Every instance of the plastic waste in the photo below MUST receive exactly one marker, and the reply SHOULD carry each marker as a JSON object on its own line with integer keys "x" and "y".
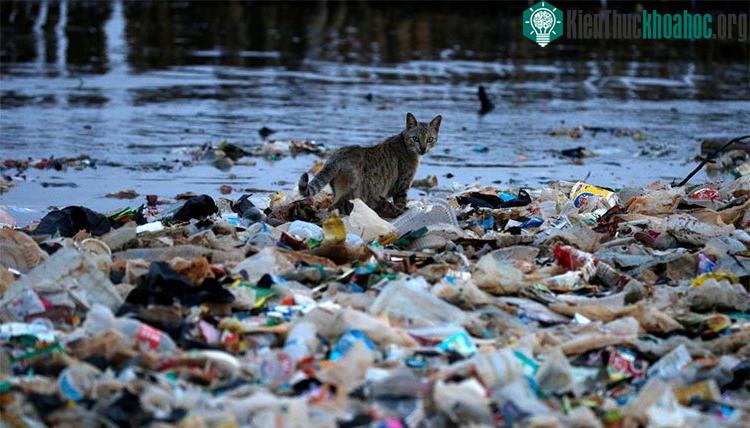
{"x": 460, "y": 290}
{"x": 555, "y": 373}
{"x": 334, "y": 231}
{"x": 435, "y": 237}
{"x": 366, "y": 223}
{"x": 196, "y": 208}
{"x": 77, "y": 381}
{"x": 69, "y": 277}
{"x": 347, "y": 341}
{"x": 495, "y": 200}
{"x": 426, "y": 213}
{"x": 69, "y": 220}
{"x": 587, "y": 316}
{"x": 268, "y": 260}
{"x": 494, "y": 369}
{"x": 135, "y": 333}
{"x": 688, "y": 230}
{"x": 496, "y": 274}
{"x": 247, "y": 210}
{"x": 459, "y": 343}
{"x": 262, "y": 235}
{"x": 301, "y": 342}
{"x": 465, "y": 401}
{"x": 347, "y": 371}
{"x": 163, "y": 286}
{"x": 671, "y": 365}
{"x": 582, "y": 192}
{"x": 19, "y": 251}
{"x": 409, "y": 303}
{"x": 306, "y": 231}
{"x": 275, "y": 368}
{"x": 117, "y": 239}
{"x": 41, "y": 329}
{"x": 152, "y": 227}
{"x": 722, "y": 294}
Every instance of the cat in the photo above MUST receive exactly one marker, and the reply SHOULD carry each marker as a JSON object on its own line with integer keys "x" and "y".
{"x": 376, "y": 173}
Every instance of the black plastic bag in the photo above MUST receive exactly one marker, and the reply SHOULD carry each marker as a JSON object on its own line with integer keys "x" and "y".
{"x": 70, "y": 220}
{"x": 483, "y": 200}
{"x": 196, "y": 207}
{"x": 126, "y": 411}
{"x": 162, "y": 286}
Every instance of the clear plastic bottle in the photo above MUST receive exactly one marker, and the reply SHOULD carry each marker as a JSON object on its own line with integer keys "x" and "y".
{"x": 76, "y": 381}
{"x": 302, "y": 341}
{"x": 275, "y": 368}
{"x": 136, "y": 333}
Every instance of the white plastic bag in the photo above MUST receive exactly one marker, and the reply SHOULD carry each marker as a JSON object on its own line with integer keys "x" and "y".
{"x": 366, "y": 223}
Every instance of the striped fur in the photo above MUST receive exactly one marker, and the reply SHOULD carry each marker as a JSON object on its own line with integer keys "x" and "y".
{"x": 378, "y": 173}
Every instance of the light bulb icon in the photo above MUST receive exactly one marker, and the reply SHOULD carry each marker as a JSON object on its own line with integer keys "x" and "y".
{"x": 542, "y": 22}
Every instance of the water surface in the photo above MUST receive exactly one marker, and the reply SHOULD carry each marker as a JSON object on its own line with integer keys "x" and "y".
{"x": 137, "y": 86}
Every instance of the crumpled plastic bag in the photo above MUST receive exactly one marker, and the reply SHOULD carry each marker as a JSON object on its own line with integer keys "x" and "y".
{"x": 409, "y": 303}
{"x": 196, "y": 207}
{"x": 712, "y": 294}
{"x": 460, "y": 291}
{"x": 688, "y": 230}
{"x": 68, "y": 278}
{"x": 70, "y": 220}
{"x": 366, "y": 223}
{"x": 555, "y": 373}
{"x": 497, "y": 275}
{"x": 465, "y": 402}
{"x": 661, "y": 201}
{"x": 331, "y": 321}
{"x": 164, "y": 286}
{"x": 276, "y": 261}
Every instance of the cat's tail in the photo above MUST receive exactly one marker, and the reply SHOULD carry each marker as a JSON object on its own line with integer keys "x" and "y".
{"x": 309, "y": 187}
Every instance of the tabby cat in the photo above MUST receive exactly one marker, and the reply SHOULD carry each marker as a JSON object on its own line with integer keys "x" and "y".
{"x": 377, "y": 173}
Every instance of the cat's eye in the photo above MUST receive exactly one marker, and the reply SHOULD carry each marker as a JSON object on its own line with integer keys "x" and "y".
{"x": 415, "y": 138}
{"x": 429, "y": 140}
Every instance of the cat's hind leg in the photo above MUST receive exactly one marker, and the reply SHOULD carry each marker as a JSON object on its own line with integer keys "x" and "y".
{"x": 383, "y": 207}
{"x": 342, "y": 203}
{"x": 344, "y": 190}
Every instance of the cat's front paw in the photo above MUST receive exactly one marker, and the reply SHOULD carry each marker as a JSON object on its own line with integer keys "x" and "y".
{"x": 302, "y": 185}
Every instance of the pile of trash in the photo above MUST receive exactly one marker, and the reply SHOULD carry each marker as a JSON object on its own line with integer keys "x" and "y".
{"x": 569, "y": 305}
{"x": 54, "y": 163}
{"x": 226, "y": 154}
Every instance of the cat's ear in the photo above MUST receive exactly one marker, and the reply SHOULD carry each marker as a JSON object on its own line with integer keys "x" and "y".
{"x": 411, "y": 121}
{"x": 435, "y": 123}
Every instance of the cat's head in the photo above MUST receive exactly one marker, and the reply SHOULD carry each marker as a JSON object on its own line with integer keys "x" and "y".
{"x": 420, "y": 137}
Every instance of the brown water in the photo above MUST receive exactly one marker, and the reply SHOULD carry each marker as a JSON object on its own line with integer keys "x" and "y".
{"x": 138, "y": 85}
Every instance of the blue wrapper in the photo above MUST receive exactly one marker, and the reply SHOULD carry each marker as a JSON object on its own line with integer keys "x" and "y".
{"x": 346, "y": 342}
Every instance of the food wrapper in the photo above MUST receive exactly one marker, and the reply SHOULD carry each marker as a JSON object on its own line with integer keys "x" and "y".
{"x": 623, "y": 364}
{"x": 581, "y": 193}
{"x": 718, "y": 276}
{"x": 459, "y": 343}
{"x": 346, "y": 342}
{"x": 706, "y": 390}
